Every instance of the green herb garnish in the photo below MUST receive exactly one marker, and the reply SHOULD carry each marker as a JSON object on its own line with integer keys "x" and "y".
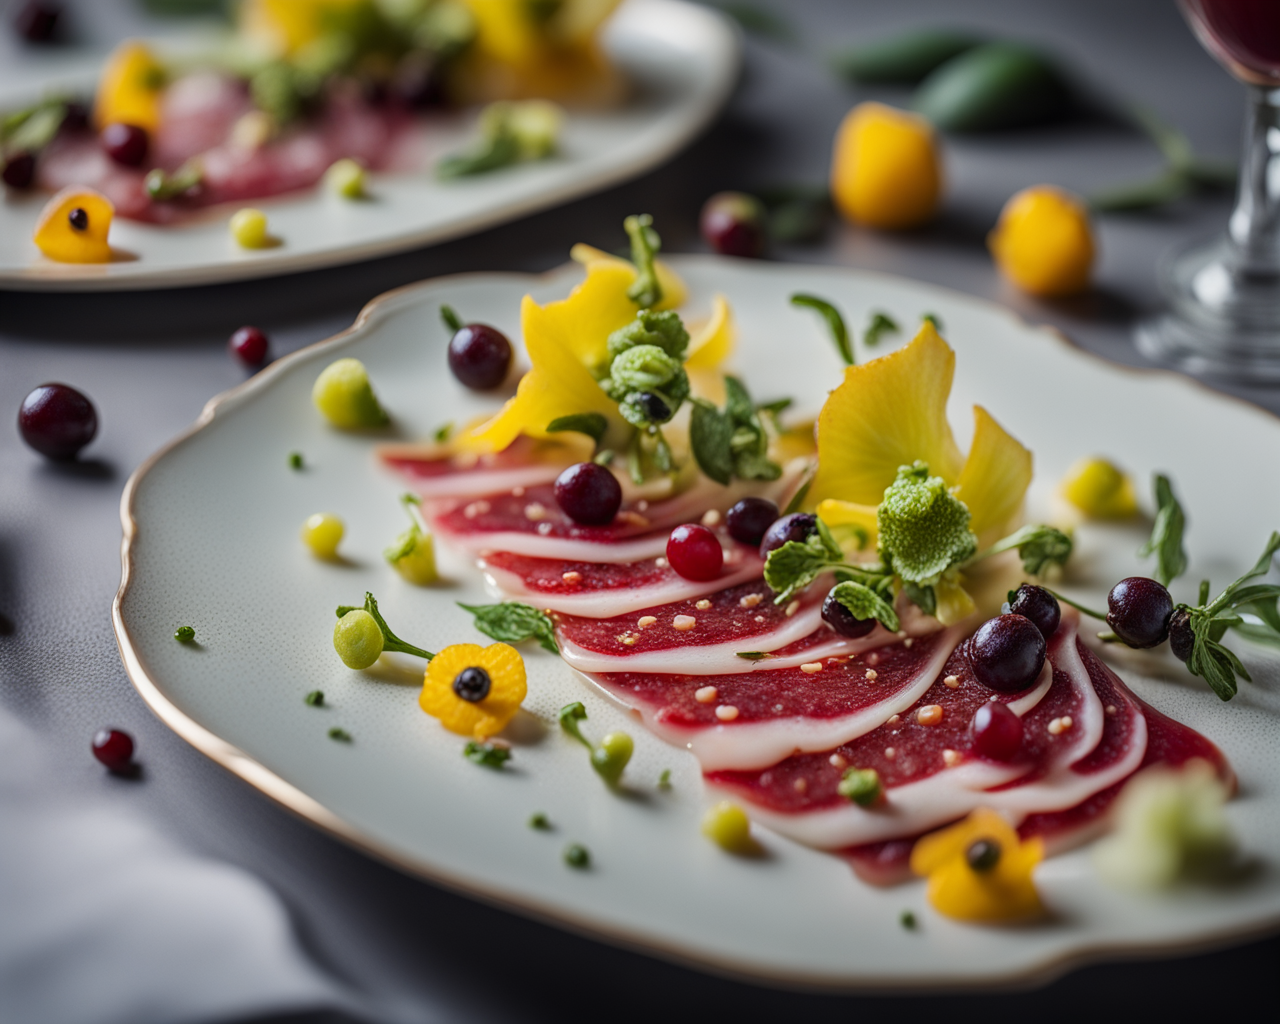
{"x": 611, "y": 756}
{"x": 839, "y": 332}
{"x": 390, "y": 642}
{"x": 540, "y": 822}
{"x": 593, "y": 424}
{"x": 646, "y": 291}
{"x": 451, "y": 319}
{"x": 513, "y": 622}
{"x": 184, "y": 634}
{"x": 752, "y": 655}
{"x": 1166, "y": 534}
{"x": 934, "y": 319}
{"x": 486, "y": 754}
{"x": 577, "y": 856}
{"x": 881, "y": 324}
{"x": 731, "y": 442}
{"x": 295, "y": 460}
{"x": 442, "y": 432}
{"x": 1039, "y": 547}
{"x": 664, "y": 780}
{"x": 908, "y": 920}
{"x": 924, "y": 528}
{"x": 341, "y": 735}
{"x": 861, "y": 786}
{"x": 314, "y": 699}
{"x": 161, "y": 186}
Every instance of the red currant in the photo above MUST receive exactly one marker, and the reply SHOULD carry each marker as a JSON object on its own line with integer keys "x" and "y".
{"x": 695, "y": 552}
{"x": 588, "y": 494}
{"x": 114, "y": 748}
{"x": 479, "y": 356}
{"x": 249, "y": 345}
{"x": 996, "y": 731}
{"x": 126, "y": 144}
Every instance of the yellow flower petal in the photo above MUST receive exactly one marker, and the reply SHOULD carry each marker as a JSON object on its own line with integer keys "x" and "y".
{"x": 481, "y": 718}
{"x": 130, "y": 88}
{"x": 886, "y": 414}
{"x": 834, "y": 512}
{"x": 995, "y": 478}
{"x": 953, "y": 602}
{"x": 711, "y": 344}
{"x": 674, "y": 292}
{"x": 558, "y": 385}
{"x": 1004, "y": 892}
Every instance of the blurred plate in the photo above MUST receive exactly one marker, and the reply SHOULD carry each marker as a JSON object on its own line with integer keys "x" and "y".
{"x": 211, "y": 526}
{"x": 682, "y": 59}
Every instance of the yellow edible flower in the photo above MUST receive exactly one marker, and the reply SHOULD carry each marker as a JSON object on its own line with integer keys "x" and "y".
{"x": 892, "y": 411}
{"x": 474, "y": 690}
{"x": 130, "y": 88}
{"x": 568, "y": 339}
{"x": 886, "y": 171}
{"x": 979, "y": 870}
{"x": 1100, "y": 489}
{"x": 1043, "y": 242}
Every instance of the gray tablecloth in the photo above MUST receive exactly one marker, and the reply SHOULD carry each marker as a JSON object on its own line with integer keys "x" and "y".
{"x": 222, "y": 906}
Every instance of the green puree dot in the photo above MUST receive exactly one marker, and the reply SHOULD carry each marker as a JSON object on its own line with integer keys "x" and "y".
{"x": 540, "y": 821}
{"x": 908, "y": 920}
{"x": 295, "y": 460}
{"x": 577, "y": 856}
{"x": 184, "y": 634}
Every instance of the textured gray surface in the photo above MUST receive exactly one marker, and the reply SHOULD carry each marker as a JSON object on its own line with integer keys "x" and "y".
{"x": 151, "y": 361}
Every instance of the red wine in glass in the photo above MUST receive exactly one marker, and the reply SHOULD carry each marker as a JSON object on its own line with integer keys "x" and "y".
{"x": 1243, "y": 34}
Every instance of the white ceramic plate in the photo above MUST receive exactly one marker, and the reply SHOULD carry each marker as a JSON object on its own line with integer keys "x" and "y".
{"x": 682, "y": 59}
{"x": 211, "y": 540}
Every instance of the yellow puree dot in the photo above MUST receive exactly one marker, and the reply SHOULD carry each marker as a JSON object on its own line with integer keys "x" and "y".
{"x": 249, "y": 229}
{"x": 727, "y": 825}
{"x": 322, "y": 533}
{"x": 1099, "y": 489}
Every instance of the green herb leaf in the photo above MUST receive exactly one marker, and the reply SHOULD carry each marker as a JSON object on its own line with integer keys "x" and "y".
{"x": 924, "y": 528}
{"x": 934, "y": 319}
{"x": 710, "y": 432}
{"x": 923, "y": 597}
{"x": 487, "y": 755}
{"x": 881, "y": 324}
{"x": 451, "y": 319}
{"x": 295, "y": 460}
{"x": 664, "y": 330}
{"x": 512, "y": 622}
{"x": 861, "y": 786}
{"x": 593, "y": 424}
{"x": 341, "y": 735}
{"x": 646, "y": 290}
{"x": 753, "y": 655}
{"x": 540, "y": 821}
{"x": 839, "y": 332}
{"x": 902, "y": 58}
{"x": 314, "y": 699}
{"x": 1039, "y": 546}
{"x": 1166, "y": 534}
{"x": 664, "y": 780}
{"x": 864, "y": 603}
{"x": 499, "y": 150}
{"x": 796, "y": 564}
{"x": 570, "y": 715}
{"x": 442, "y": 432}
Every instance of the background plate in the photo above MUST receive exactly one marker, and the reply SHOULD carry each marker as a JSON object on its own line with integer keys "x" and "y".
{"x": 211, "y": 540}
{"x": 682, "y": 60}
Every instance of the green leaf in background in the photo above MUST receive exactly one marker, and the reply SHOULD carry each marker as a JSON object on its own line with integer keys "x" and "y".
{"x": 759, "y": 21}
{"x": 512, "y": 622}
{"x": 880, "y": 325}
{"x": 797, "y": 213}
{"x": 991, "y": 87}
{"x": 593, "y": 424}
{"x": 835, "y": 322}
{"x": 1165, "y": 541}
{"x": 905, "y": 58}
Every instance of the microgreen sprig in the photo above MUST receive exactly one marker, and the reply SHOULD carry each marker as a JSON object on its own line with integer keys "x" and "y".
{"x": 390, "y": 642}
{"x": 835, "y": 322}
{"x": 610, "y": 756}
{"x": 1166, "y": 534}
{"x": 512, "y": 622}
{"x": 646, "y": 290}
{"x": 731, "y": 442}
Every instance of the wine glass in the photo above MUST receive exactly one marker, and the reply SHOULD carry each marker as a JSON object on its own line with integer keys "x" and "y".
{"x": 1224, "y": 295}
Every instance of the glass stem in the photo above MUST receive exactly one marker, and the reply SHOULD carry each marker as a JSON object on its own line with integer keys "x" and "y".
{"x": 1255, "y": 223}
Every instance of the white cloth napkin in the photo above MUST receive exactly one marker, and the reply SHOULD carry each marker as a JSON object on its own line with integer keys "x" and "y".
{"x": 103, "y": 920}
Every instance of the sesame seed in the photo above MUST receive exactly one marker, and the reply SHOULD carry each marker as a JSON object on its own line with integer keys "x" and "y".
{"x": 645, "y": 621}
{"x": 930, "y": 714}
{"x": 750, "y": 601}
{"x": 544, "y": 529}
{"x": 890, "y": 753}
{"x": 683, "y": 623}
{"x": 726, "y": 712}
{"x": 660, "y": 562}
{"x": 711, "y": 518}
{"x": 950, "y": 758}
{"x": 951, "y": 681}
{"x": 837, "y": 761}
{"x": 642, "y": 505}
{"x": 633, "y": 519}
{"x": 625, "y": 638}
{"x": 811, "y": 667}
{"x": 535, "y": 511}
{"x": 476, "y": 508}
{"x": 800, "y": 785}
{"x": 572, "y": 576}
{"x": 759, "y": 618}
{"x": 703, "y": 605}
{"x": 873, "y": 658}
{"x": 1060, "y": 725}
{"x": 872, "y": 674}
{"x": 705, "y": 694}
{"x": 1111, "y": 709}
{"x": 777, "y": 709}
{"x": 908, "y": 642}
{"x": 517, "y": 492}
{"x": 792, "y": 608}
{"x": 895, "y": 719}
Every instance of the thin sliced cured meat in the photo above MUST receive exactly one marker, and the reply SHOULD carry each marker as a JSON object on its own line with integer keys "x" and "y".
{"x": 749, "y": 720}
{"x": 433, "y": 472}
{"x": 609, "y": 590}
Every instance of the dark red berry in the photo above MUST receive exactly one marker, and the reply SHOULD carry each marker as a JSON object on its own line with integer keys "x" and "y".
{"x": 695, "y": 552}
{"x": 57, "y": 421}
{"x": 249, "y": 345}
{"x": 733, "y": 224}
{"x": 748, "y": 520}
{"x": 798, "y": 526}
{"x": 843, "y": 621}
{"x": 1038, "y": 605}
{"x": 588, "y": 494}
{"x": 982, "y": 855}
{"x": 1138, "y": 611}
{"x": 1181, "y": 638}
{"x": 78, "y": 218}
{"x": 472, "y": 684}
{"x": 126, "y": 144}
{"x": 19, "y": 170}
{"x": 996, "y": 731}
{"x": 1007, "y": 653}
{"x": 479, "y": 356}
{"x": 114, "y": 749}
{"x": 36, "y": 21}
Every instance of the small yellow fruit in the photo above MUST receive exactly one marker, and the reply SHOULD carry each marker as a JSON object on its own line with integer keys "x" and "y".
{"x": 73, "y": 226}
{"x": 130, "y": 88}
{"x": 886, "y": 171}
{"x": 727, "y": 825}
{"x": 249, "y": 229}
{"x": 344, "y": 395}
{"x": 322, "y": 533}
{"x": 1099, "y": 489}
{"x": 345, "y": 178}
{"x": 1043, "y": 242}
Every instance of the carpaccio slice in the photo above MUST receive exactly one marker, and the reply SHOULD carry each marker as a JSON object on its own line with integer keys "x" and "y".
{"x": 750, "y": 720}
{"x": 1060, "y": 785}
{"x": 433, "y": 474}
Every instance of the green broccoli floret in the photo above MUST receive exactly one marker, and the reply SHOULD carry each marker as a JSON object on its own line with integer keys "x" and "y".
{"x": 649, "y": 328}
{"x": 924, "y": 529}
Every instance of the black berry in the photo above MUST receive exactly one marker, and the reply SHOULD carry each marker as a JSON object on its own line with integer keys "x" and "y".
{"x": 588, "y": 494}
{"x": 19, "y": 171}
{"x": 479, "y": 356}
{"x": 1138, "y": 611}
{"x": 126, "y": 144}
{"x": 748, "y": 520}
{"x": 733, "y": 224}
{"x": 57, "y": 421}
{"x": 798, "y": 526}
{"x": 472, "y": 684}
{"x": 1181, "y": 638}
{"x": 78, "y": 218}
{"x": 983, "y": 855}
{"x": 1038, "y": 605}
{"x": 1007, "y": 653}
{"x": 843, "y": 621}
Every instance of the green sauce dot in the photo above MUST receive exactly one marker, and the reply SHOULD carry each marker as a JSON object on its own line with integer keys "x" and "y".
{"x": 577, "y": 856}
{"x": 184, "y": 634}
{"x": 315, "y": 698}
{"x": 908, "y": 920}
{"x": 295, "y": 460}
{"x": 540, "y": 821}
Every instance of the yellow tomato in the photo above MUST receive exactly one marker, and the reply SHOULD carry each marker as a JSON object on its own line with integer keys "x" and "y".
{"x": 1043, "y": 242}
{"x": 886, "y": 171}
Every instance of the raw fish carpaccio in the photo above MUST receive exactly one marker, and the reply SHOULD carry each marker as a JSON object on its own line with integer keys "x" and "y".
{"x": 776, "y": 732}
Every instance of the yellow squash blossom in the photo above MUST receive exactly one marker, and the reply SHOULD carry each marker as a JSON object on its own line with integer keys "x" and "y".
{"x": 979, "y": 869}
{"x": 893, "y": 411}
{"x": 567, "y": 343}
{"x": 474, "y": 690}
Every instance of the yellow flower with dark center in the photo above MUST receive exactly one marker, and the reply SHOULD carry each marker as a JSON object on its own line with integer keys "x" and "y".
{"x": 979, "y": 869}
{"x": 474, "y": 690}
